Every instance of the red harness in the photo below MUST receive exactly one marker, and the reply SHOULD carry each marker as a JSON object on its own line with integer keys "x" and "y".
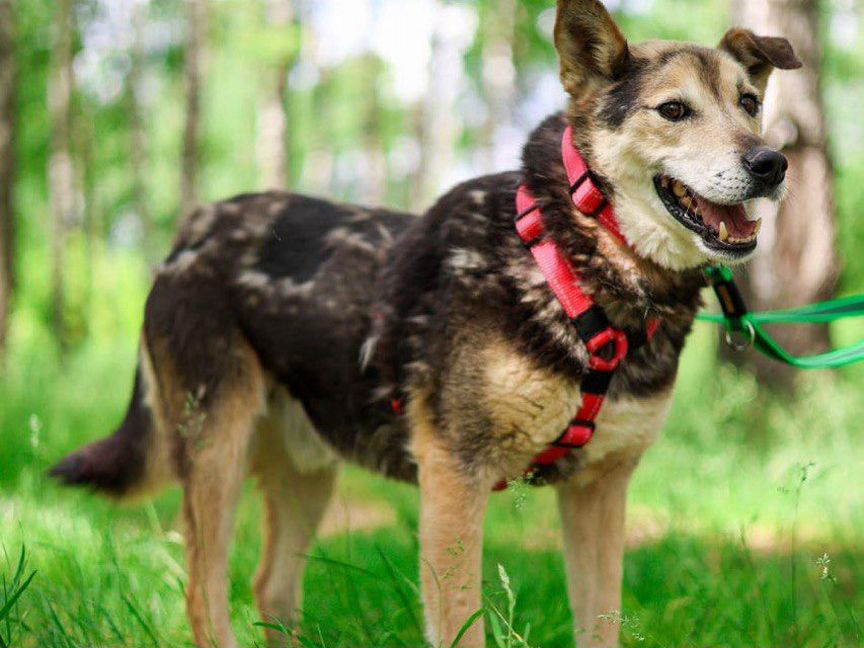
{"x": 607, "y": 346}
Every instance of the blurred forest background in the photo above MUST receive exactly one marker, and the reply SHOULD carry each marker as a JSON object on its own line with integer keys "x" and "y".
{"x": 119, "y": 116}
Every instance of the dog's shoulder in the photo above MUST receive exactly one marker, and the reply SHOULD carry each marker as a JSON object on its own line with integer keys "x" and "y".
{"x": 444, "y": 266}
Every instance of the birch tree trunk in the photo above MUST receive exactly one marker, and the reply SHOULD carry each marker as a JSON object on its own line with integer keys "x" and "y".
{"x": 438, "y": 125}
{"x": 137, "y": 134}
{"x": 499, "y": 76}
{"x": 797, "y": 261}
{"x": 8, "y": 113}
{"x": 374, "y": 190}
{"x": 319, "y": 161}
{"x": 273, "y": 116}
{"x": 193, "y": 64}
{"x": 61, "y": 172}
{"x": 87, "y": 208}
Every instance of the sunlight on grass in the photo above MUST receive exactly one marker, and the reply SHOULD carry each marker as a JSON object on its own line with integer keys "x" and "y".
{"x": 727, "y": 544}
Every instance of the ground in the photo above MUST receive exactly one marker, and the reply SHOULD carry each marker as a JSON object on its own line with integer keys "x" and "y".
{"x": 744, "y": 528}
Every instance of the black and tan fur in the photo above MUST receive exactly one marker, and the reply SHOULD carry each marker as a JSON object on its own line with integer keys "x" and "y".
{"x": 280, "y": 327}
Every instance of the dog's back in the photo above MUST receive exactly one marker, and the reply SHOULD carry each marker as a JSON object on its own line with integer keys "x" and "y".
{"x": 258, "y": 291}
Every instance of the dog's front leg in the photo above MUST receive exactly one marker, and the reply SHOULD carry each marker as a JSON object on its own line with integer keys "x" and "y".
{"x": 592, "y": 518}
{"x": 452, "y": 508}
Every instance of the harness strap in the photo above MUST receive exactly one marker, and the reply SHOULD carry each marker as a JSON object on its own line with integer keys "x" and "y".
{"x": 607, "y": 346}
{"x": 583, "y": 188}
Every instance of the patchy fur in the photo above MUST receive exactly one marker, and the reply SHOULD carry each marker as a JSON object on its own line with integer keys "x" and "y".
{"x": 281, "y": 328}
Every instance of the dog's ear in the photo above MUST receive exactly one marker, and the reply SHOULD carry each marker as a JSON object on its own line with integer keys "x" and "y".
{"x": 590, "y": 45}
{"x": 759, "y": 54}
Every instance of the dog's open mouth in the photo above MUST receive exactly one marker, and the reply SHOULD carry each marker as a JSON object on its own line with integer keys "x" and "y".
{"x": 725, "y": 228}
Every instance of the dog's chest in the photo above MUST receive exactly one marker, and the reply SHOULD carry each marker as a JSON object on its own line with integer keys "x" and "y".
{"x": 627, "y": 425}
{"x": 530, "y": 406}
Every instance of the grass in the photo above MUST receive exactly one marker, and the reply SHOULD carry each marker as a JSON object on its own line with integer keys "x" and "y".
{"x": 745, "y": 527}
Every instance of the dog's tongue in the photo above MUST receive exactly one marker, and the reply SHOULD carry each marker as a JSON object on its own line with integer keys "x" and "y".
{"x": 734, "y": 216}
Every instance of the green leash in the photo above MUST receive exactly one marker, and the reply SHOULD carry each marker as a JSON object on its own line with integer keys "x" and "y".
{"x": 742, "y": 324}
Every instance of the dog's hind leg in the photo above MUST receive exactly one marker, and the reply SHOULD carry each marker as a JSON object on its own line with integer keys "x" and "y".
{"x": 297, "y": 481}
{"x": 592, "y": 519}
{"x": 216, "y": 444}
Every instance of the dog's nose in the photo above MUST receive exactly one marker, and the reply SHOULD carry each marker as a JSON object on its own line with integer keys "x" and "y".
{"x": 766, "y": 165}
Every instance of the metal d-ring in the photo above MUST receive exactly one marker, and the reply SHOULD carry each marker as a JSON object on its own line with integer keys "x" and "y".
{"x": 748, "y": 342}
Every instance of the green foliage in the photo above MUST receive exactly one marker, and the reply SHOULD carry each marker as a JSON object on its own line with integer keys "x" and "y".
{"x": 12, "y": 591}
{"x": 501, "y": 621}
{"x": 729, "y": 545}
{"x": 720, "y": 519}
{"x": 334, "y": 113}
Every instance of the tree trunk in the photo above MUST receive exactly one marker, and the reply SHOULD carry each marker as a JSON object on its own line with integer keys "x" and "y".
{"x": 374, "y": 190}
{"x": 797, "y": 262}
{"x": 61, "y": 172}
{"x": 318, "y": 168}
{"x": 499, "y": 76}
{"x": 137, "y": 134}
{"x": 8, "y": 111}
{"x": 193, "y": 71}
{"x": 273, "y": 117}
{"x": 438, "y": 124}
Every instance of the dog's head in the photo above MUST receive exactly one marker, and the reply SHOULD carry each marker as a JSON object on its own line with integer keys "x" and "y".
{"x": 674, "y": 129}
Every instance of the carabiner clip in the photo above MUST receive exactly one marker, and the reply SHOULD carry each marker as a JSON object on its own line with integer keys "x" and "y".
{"x": 750, "y": 338}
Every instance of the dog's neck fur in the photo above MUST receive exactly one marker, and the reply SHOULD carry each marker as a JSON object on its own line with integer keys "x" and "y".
{"x": 629, "y": 286}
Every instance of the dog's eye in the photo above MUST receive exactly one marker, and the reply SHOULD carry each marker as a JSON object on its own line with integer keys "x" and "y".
{"x": 673, "y": 110}
{"x": 750, "y": 104}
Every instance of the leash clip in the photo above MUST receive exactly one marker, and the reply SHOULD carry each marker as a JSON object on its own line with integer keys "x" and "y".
{"x": 750, "y": 338}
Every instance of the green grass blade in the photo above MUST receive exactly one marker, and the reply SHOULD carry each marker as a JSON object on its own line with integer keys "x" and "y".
{"x": 59, "y": 625}
{"x": 497, "y": 630}
{"x": 7, "y": 607}
{"x": 144, "y": 625}
{"x": 396, "y": 577}
{"x": 468, "y": 623}
{"x": 340, "y": 563}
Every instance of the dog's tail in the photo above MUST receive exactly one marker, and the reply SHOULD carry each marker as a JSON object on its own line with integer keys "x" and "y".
{"x": 132, "y": 459}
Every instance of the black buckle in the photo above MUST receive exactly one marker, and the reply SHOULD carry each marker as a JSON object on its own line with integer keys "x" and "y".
{"x": 591, "y": 323}
{"x": 596, "y": 382}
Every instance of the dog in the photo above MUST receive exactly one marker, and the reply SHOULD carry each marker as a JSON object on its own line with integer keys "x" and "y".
{"x": 283, "y": 332}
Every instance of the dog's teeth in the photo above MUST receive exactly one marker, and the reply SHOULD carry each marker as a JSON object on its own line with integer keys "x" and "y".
{"x": 758, "y": 227}
{"x": 724, "y": 233}
{"x": 664, "y": 181}
{"x": 688, "y": 202}
{"x": 679, "y": 189}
